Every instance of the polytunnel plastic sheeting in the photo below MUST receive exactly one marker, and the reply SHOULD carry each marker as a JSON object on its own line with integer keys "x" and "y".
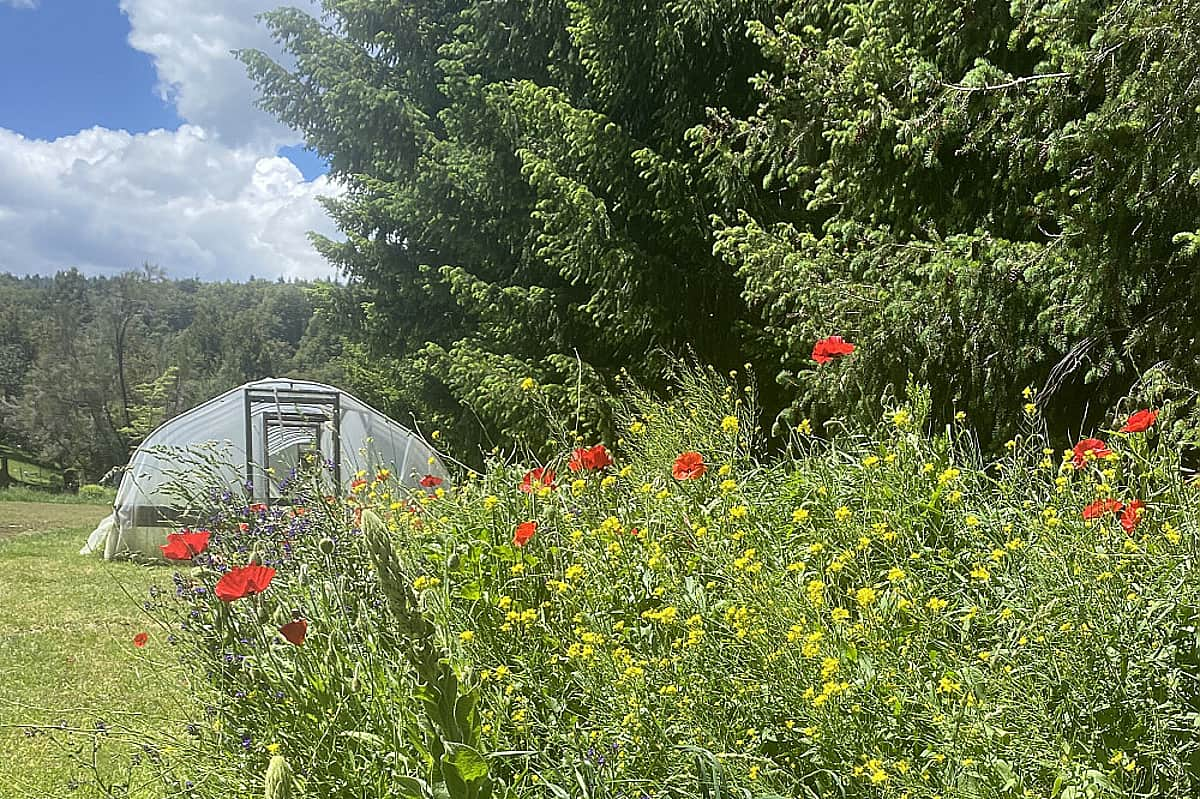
{"x": 231, "y": 440}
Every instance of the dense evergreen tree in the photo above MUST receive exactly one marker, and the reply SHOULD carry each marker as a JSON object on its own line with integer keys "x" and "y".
{"x": 988, "y": 195}
{"x": 522, "y": 201}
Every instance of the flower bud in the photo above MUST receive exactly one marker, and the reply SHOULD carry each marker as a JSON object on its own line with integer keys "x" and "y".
{"x": 278, "y": 781}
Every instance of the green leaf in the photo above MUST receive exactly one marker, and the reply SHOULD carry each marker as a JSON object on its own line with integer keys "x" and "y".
{"x": 470, "y": 591}
{"x": 364, "y": 737}
{"x": 466, "y": 762}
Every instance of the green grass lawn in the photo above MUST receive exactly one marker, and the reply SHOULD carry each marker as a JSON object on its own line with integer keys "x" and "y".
{"x": 41, "y": 496}
{"x": 67, "y": 624}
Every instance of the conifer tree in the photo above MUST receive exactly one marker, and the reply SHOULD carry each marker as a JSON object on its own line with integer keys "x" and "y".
{"x": 983, "y": 195}
{"x": 989, "y": 195}
{"x": 522, "y": 200}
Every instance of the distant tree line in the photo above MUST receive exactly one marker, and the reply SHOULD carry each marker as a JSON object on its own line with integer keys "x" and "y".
{"x": 984, "y": 195}
{"x": 90, "y": 365}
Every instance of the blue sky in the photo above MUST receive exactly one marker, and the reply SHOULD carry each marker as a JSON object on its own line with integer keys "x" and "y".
{"x": 67, "y": 66}
{"x": 114, "y": 113}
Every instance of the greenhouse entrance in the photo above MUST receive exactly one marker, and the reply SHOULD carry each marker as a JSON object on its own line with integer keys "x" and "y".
{"x": 289, "y": 427}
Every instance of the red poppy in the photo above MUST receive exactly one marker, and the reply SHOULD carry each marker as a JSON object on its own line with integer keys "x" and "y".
{"x": 1140, "y": 422}
{"x": 590, "y": 459}
{"x": 185, "y": 545}
{"x": 430, "y": 481}
{"x": 579, "y": 459}
{"x": 294, "y": 631}
{"x": 243, "y": 581}
{"x": 524, "y": 532}
{"x": 831, "y": 347}
{"x": 357, "y": 483}
{"x": 1101, "y": 507}
{"x": 1131, "y": 517}
{"x": 258, "y": 507}
{"x": 140, "y": 639}
{"x": 536, "y": 479}
{"x": 1088, "y": 449}
{"x": 600, "y": 457}
{"x": 689, "y": 466}
{"x": 633, "y": 531}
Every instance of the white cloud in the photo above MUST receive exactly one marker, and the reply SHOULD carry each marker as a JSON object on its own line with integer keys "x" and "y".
{"x": 210, "y": 200}
{"x": 190, "y": 42}
{"x": 106, "y": 201}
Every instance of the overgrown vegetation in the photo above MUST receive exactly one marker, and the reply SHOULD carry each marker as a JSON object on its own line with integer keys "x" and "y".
{"x": 990, "y": 195}
{"x": 87, "y": 495}
{"x": 878, "y": 615}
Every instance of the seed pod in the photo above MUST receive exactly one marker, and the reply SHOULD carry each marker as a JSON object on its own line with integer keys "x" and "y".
{"x": 326, "y": 546}
{"x": 278, "y": 781}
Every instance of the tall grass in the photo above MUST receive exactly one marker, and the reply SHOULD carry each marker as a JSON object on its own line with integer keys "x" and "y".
{"x": 881, "y": 614}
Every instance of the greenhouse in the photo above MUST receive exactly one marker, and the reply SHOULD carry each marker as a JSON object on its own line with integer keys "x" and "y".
{"x": 250, "y": 440}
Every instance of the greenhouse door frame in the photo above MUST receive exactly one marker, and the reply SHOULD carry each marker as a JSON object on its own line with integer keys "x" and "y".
{"x": 293, "y": 416}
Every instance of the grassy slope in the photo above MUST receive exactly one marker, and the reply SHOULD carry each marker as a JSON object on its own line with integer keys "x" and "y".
{"x": 66, "y": 654}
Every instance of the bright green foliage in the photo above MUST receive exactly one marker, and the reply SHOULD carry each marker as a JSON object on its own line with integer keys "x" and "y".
{"x": 989, "y": 195}
{"x": 450, "y": 713}
{"x": 881, "y": 616}
{"x": 521, "y": 198}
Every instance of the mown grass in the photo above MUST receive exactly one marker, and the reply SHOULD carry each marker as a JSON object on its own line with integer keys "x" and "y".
{"x": 25, "y": 494}
{"x": 66, "y": 657}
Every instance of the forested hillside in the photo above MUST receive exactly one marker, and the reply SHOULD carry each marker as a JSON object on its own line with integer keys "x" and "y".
{"x": 90, "y": 365}
{"x": 986, "y": 195}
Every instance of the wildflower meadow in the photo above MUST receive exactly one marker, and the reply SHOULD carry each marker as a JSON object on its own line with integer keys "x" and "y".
{"x": 677, "y": 613}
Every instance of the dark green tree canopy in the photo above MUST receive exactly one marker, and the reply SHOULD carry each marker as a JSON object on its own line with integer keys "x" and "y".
{"x": 984, "y": 195}
{"x": 92, "y": 364}
{"x": 988, "y": 195}
{"x": 522, "y": 199}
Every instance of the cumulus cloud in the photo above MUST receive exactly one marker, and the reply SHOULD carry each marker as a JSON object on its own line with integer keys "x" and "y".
{"x": 210, "y": 200}
{"x": 107, "y": 201}
{"x": 190, "y": 42}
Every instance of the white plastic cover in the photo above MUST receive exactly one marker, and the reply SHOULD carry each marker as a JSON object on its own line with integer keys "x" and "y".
{"x": 287, "y": 420}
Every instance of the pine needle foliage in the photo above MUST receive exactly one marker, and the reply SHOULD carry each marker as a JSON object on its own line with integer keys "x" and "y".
{"x": 990, "y": 195}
